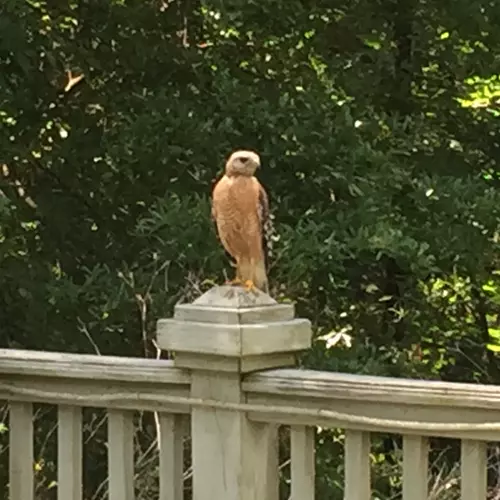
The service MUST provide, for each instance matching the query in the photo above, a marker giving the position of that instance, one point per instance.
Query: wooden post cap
(231, 329)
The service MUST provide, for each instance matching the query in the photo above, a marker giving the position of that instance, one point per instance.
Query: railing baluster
(415, 467)
(21, 451)
(357, 465)
(121, 454)
(473, 470)
(69, 453)
(302, 462)
(171, 457)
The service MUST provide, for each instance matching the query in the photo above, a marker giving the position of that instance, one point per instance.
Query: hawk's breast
(236, 202)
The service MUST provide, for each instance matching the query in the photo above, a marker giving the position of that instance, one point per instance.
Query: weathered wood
(243, 364)
(21, 485)
(216, 472)
(234, 340)
(234, 448)
(269, 445)
(302, 462)
(232, 457)
(412, 402)
(88, 366)
(121, 455)
(277, 392)
(228, 315)
(473, 470)
(334, 385)
(171, 457)
(264, 361)
(231, 297)
(234, 305)
(94, 393)
(415, 467)
(201, 338)
(69, 454)
(357, 466)
(373, 417)
(239, 330)
(223, 333)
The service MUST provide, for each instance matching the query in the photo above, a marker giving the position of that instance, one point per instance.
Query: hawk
(240, 209)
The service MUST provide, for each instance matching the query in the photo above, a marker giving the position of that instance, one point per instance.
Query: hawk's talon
(250, 287)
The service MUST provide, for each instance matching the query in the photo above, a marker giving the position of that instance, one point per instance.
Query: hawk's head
(242, 163)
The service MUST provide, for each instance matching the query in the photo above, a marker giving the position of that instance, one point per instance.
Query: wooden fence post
(222, 335)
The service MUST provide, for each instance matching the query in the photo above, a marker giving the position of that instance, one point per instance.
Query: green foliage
(376, 125)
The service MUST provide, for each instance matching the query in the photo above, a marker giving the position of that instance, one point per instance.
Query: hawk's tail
(255, 271)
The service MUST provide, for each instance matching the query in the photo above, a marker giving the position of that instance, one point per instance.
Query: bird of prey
(240, 209)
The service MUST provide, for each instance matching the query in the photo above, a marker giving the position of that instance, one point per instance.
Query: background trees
(377, 122)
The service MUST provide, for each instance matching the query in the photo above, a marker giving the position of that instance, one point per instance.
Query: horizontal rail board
(286, 396)
(377, 404)
(90, 366)
(96, 393)
(480, 425)
(429, 421)
(344, 386)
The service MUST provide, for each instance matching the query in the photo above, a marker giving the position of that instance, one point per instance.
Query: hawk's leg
(237, 281)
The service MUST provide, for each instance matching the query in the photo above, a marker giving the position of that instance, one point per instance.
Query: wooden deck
(217, 391)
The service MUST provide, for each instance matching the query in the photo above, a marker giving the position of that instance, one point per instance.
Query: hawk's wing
(266, 225)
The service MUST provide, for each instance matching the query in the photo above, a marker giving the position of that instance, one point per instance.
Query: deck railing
(222, 346)
(72, 382)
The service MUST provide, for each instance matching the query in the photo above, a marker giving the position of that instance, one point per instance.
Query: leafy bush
(376, 125)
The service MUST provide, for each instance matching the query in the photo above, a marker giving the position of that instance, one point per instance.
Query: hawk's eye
(244, 160)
